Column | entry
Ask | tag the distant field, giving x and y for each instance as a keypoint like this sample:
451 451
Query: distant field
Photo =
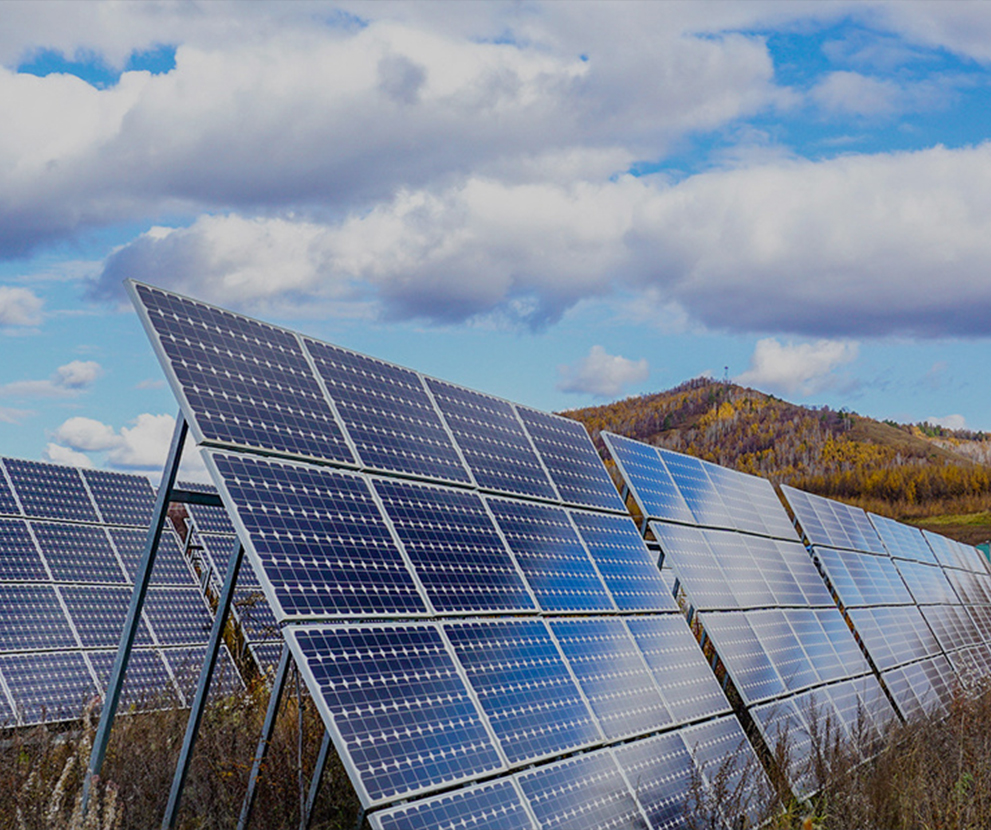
970 528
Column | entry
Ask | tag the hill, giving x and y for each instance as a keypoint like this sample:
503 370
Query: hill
911 472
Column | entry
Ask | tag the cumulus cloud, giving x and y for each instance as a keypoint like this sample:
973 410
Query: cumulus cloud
19 307
602 374
65 382
948 421
141 445
64 455
802 368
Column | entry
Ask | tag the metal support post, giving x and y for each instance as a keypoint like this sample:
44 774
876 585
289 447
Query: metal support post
278 684
203 687
317 780
133 619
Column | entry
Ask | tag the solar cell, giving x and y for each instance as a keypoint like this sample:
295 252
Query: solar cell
48 686
245 383
319 538
555 563
688 553
649 480
494 806
659 771
8 504
170 566
788 736
455 548
783 649
178 616
388 414
77 553
613 676
33 619
524 687
627 567
743 575
571 459
804 570
493 441
743 655
121 498
401 716
697 489
19 558
147 685
680 670
98 613
735 496
579 793
185 663
50 491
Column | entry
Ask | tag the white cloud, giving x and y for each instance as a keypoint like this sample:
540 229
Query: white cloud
142 445
64 455
19 307
803 368
871 97
602 374
66 381
948 421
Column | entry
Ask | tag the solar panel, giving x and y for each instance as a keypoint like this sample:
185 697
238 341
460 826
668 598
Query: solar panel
735 495
148 683
170 566
98 613
556 565
208 518
580 793
454 547
571 459
742 573
783 649
613 676
77 553
494 806
33 619
524 687
648 479
319 538
185 663
626 565
49 686
20 561
768 559
50 491
388 414
817 644
687 684
743 655
8 504
493 442
688 553
787 734
697 489
121 498
403 717
244 382
178 615
660 772
901 540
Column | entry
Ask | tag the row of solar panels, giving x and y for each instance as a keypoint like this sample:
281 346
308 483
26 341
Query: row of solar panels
65 585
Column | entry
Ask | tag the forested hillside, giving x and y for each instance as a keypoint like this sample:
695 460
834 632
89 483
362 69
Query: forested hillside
910 472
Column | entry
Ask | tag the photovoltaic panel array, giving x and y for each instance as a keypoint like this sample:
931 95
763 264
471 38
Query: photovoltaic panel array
71 541
754 595
917 632
459 582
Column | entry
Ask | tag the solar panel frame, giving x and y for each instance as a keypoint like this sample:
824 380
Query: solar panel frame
496 805
51 491
121 498
648 480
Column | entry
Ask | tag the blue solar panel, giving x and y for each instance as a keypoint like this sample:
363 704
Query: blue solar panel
147 684
742 573
388 414
788 736
98 613
571 459
121 498
170 566
19 559
629 570
901 540
805 513
33 619
743 655
927 583
680 670
697 489
581 793
660 771
48 687
687 552
551 556
769 507
817 644
455 549
649 480
783 649
613 676
319 538
806 575
495 806
178 616
768 556
246 383
8 504
208 518
186 663
734 492
401 716
493 441
254 615
524 688
77 553
50 491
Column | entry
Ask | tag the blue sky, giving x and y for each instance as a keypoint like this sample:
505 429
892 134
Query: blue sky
560 203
